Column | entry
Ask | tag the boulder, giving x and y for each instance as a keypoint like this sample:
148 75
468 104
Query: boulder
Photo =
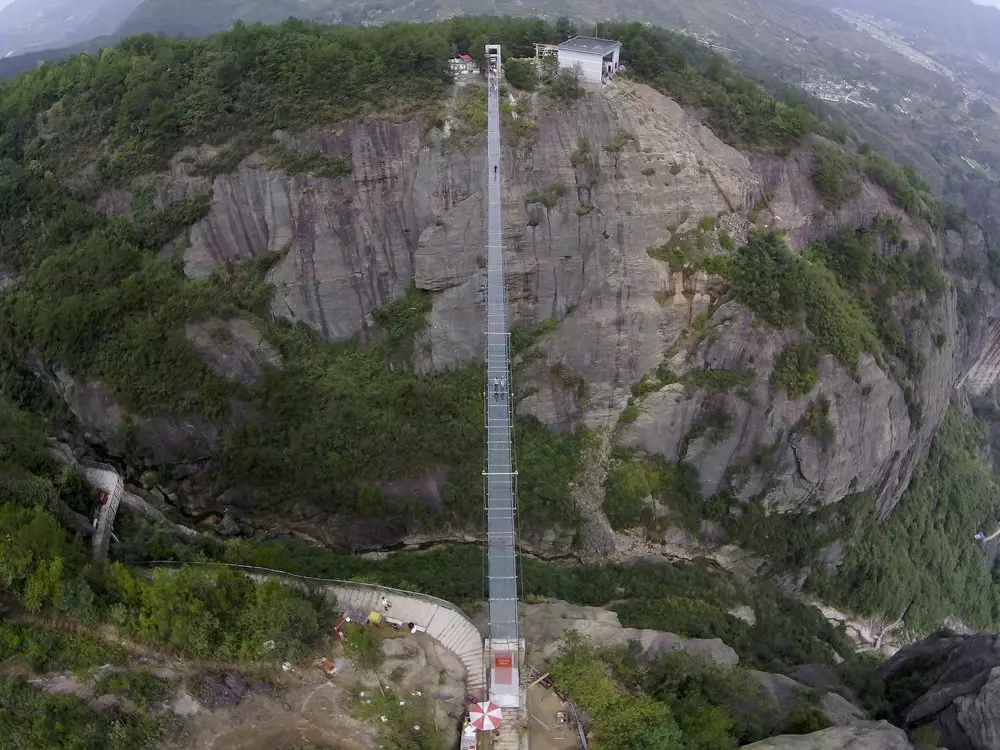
950 684
866 736
232 349
542 624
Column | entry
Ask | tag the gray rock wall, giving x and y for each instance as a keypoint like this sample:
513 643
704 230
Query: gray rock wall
577 226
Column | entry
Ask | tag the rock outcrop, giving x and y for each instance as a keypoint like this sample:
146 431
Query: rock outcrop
232 349
542 624
867 736
948 684
782 695
584 199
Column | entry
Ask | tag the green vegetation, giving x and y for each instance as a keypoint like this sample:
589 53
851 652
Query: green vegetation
807 716
784 288
563 87
905 186
571 382
401 722
796 370
922 561
816 422
401 320
631 480
147 96
523 337
622 720
548 198
205 612
834 175
684 251
790 541
140 686
586 159
715 424
156 227
38 649
311 162
719 380
470 119
653 381
521 74
48 721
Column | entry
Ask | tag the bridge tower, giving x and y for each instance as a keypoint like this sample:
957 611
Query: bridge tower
504 650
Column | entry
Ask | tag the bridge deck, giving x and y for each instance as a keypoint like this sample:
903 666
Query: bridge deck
501 478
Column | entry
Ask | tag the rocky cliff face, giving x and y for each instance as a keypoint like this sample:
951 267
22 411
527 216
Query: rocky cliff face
949 685
587 191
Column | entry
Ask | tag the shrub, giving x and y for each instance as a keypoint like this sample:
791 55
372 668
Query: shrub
564 88
833 175
32 719
719 380
715 424
816 422
139 686
796 370
783 288
521 74
41 649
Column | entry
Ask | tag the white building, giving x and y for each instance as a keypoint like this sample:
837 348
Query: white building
597 58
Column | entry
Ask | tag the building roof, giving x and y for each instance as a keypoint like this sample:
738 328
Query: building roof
590 44
465 58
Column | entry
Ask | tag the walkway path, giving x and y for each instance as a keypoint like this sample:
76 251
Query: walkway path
501 476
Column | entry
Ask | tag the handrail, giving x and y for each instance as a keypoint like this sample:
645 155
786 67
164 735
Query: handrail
328 581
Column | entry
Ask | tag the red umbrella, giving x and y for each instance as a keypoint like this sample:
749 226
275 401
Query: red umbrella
485 716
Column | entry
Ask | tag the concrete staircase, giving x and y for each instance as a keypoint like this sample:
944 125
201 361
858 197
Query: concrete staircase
444 623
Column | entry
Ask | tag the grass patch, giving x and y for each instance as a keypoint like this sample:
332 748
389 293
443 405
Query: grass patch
402 319
140 686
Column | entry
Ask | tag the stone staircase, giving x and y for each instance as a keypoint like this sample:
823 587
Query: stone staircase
109 481
445 624
509 735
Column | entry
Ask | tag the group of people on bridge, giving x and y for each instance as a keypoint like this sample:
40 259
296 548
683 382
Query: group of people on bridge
499 388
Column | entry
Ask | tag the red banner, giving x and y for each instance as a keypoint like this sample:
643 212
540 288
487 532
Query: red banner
503 662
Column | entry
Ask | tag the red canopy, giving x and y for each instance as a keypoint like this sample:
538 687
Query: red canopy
485 716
